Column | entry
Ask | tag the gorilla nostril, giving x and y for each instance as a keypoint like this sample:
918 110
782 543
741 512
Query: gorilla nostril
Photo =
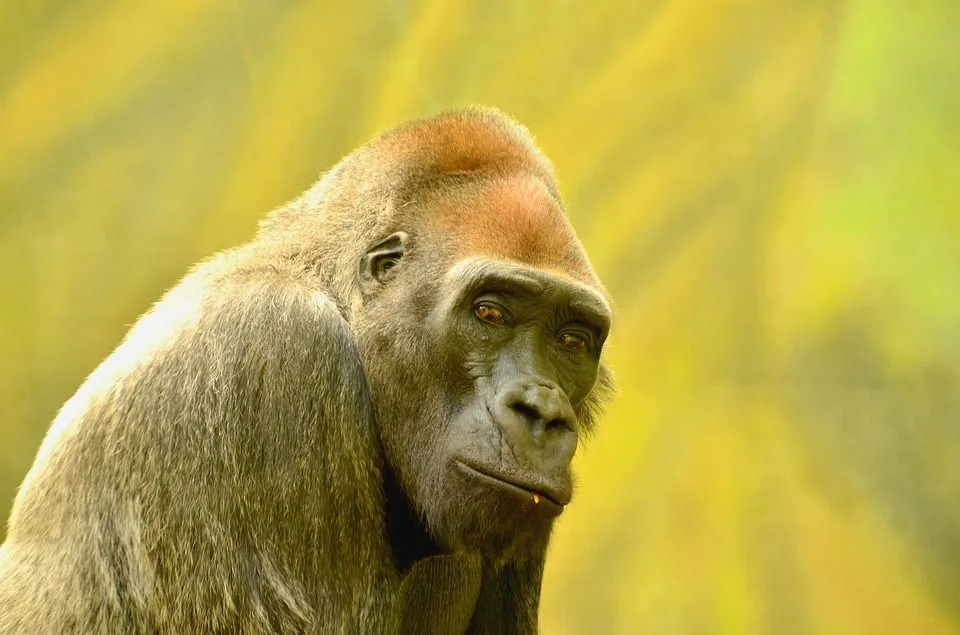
528 414
535 417
557 424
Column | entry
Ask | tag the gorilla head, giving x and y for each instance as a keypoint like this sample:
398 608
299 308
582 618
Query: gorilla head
478 319
502 350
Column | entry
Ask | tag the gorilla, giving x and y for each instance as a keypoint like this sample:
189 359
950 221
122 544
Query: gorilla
362 421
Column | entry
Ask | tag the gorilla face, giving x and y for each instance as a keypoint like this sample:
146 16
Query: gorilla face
481 372
526 344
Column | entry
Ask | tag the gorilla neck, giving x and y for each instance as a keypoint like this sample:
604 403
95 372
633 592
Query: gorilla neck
409 540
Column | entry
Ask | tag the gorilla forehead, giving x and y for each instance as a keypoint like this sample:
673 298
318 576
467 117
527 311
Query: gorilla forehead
514 218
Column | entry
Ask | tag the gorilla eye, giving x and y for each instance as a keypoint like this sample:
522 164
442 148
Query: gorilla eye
489 313
572 341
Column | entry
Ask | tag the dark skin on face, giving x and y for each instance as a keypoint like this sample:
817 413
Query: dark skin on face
516 349
530 341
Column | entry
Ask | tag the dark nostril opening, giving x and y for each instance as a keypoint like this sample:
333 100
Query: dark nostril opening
555 424
529 414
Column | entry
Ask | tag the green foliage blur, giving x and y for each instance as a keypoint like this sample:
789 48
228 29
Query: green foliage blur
768 189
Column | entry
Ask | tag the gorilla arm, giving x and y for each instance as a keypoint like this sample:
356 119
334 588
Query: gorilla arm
509 596
439 595
459 593
218 471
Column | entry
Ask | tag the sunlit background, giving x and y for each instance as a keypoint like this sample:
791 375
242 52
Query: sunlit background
769 189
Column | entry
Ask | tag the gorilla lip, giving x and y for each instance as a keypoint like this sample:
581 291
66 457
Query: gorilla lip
537 496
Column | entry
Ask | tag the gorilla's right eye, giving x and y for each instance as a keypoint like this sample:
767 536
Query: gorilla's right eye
489 313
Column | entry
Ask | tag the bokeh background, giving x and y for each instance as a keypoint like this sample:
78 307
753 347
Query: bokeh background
769 190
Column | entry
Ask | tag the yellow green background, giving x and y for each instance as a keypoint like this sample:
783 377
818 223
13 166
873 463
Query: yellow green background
768 189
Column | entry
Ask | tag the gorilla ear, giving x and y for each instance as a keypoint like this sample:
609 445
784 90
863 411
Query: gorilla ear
380 259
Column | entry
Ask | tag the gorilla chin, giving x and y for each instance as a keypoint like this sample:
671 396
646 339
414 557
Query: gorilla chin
490 515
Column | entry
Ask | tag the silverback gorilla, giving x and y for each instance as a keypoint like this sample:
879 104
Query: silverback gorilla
360 422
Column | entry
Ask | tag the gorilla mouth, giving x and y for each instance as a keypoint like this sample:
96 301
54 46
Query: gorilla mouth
548 498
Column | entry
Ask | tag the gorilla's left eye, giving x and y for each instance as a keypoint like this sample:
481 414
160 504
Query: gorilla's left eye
489 313
572 341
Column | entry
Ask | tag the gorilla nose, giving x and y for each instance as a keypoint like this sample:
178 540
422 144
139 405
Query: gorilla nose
537 419
542 408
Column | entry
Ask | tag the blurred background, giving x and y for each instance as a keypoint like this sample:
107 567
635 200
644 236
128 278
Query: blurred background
769 190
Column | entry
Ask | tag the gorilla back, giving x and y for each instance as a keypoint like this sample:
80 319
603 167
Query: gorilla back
360 421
